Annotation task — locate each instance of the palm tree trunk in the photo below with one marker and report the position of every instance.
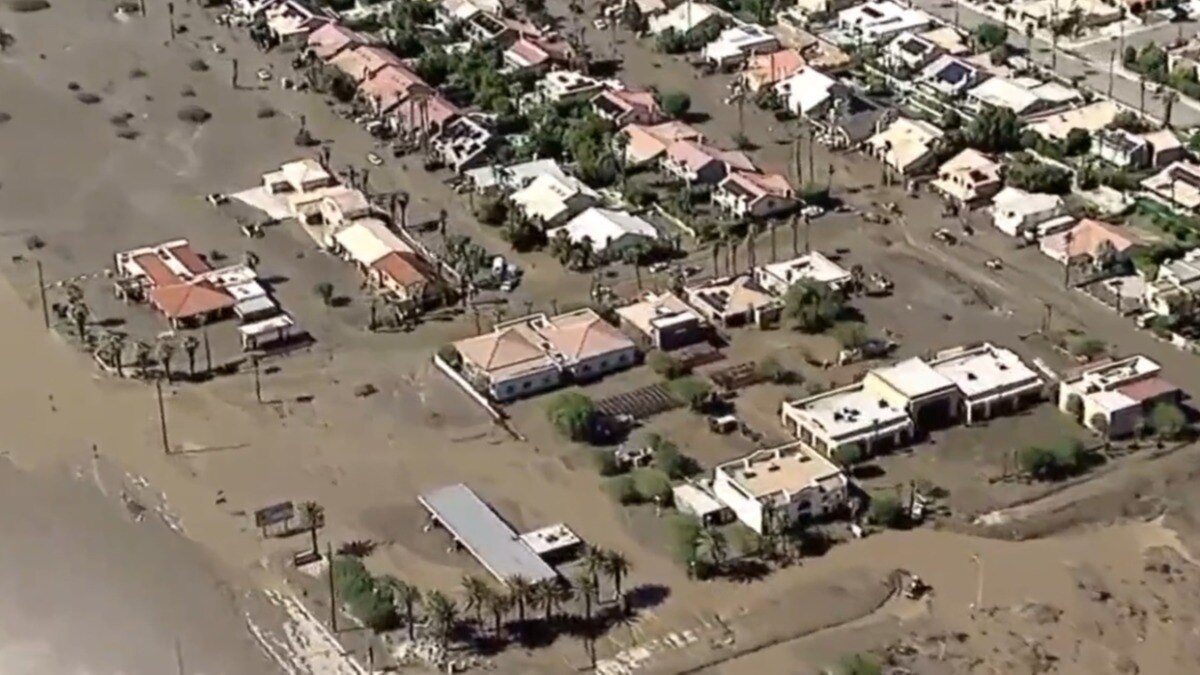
(312, 530)
(411, 619)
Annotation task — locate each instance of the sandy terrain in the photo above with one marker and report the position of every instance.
(66, 176)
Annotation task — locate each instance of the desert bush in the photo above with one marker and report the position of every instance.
(194, 114)
(197, 65)
(187, 92)
(4, 117)
(27, 6)
(87, 98)
(266, 112)
(623, 491)
(651, 484)
(129, 134)
(136, 74)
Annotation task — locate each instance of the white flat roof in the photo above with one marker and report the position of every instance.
(913, 378)
(551, 538)
(790, 470)
(986, 369)
(277, 322)
(811, 266)
(852, 411)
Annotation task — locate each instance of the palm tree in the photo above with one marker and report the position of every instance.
(716, 256)
(543, 596)
(407, 596)
(443, 216)
(314, 516)
(616, 566)
(585, 251)
(499, 604)
(74, 293)
(1169, 98)
(713, 542)
(115, 351)
(141, 357)
(561, 593)
(522, 593)
(1100, 424)
(774, 255)
(795, 235)
(593, 562)
(619, 144)
(402, 201)
(477, 591)
(587, 590)
(79, 316)
(560, 247)
(164, 349)
(443, 615)
(190, 345)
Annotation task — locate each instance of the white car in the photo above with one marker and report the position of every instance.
(600, 24)
(374, 159)
(812, 211)
(216, 198)
(994, 264)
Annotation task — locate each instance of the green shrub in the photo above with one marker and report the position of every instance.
(623, 490)
(886, 510)
(651, 483)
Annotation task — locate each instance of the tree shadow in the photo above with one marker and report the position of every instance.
(745, 570)
(340, 301)
(110, 322)
(868, 471)
(696, 117)
(646, 596)
(274, 280)
(359, 548)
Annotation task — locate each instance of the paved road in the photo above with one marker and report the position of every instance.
(1090, 59)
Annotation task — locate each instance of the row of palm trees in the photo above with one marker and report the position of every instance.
(113, 347)
(489, 607)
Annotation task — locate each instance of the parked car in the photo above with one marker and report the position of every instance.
(374, 159)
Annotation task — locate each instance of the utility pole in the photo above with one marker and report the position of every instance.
(234, 78)
(332, 589)
(171, 19)
(257, 381)
(1049, 317)
(207, 354)
(812, 171)
(162, 417)
(956, 3)
(42, 293)
(179, 656)
(1141, 94)
(1112, 64)
(807, 230)
(1054, 37)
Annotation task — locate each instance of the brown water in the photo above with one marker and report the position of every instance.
(87, 590)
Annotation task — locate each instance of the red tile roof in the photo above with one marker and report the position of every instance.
(157, 270)
(190, 259)
(402, 267)
(1147, 389)
(182, 301)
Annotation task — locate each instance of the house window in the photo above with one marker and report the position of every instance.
(585, 368)
(508, 390)
(527, 384)
(604, 364)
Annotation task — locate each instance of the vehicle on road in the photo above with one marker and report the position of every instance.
(374, 159)
(945, 236)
